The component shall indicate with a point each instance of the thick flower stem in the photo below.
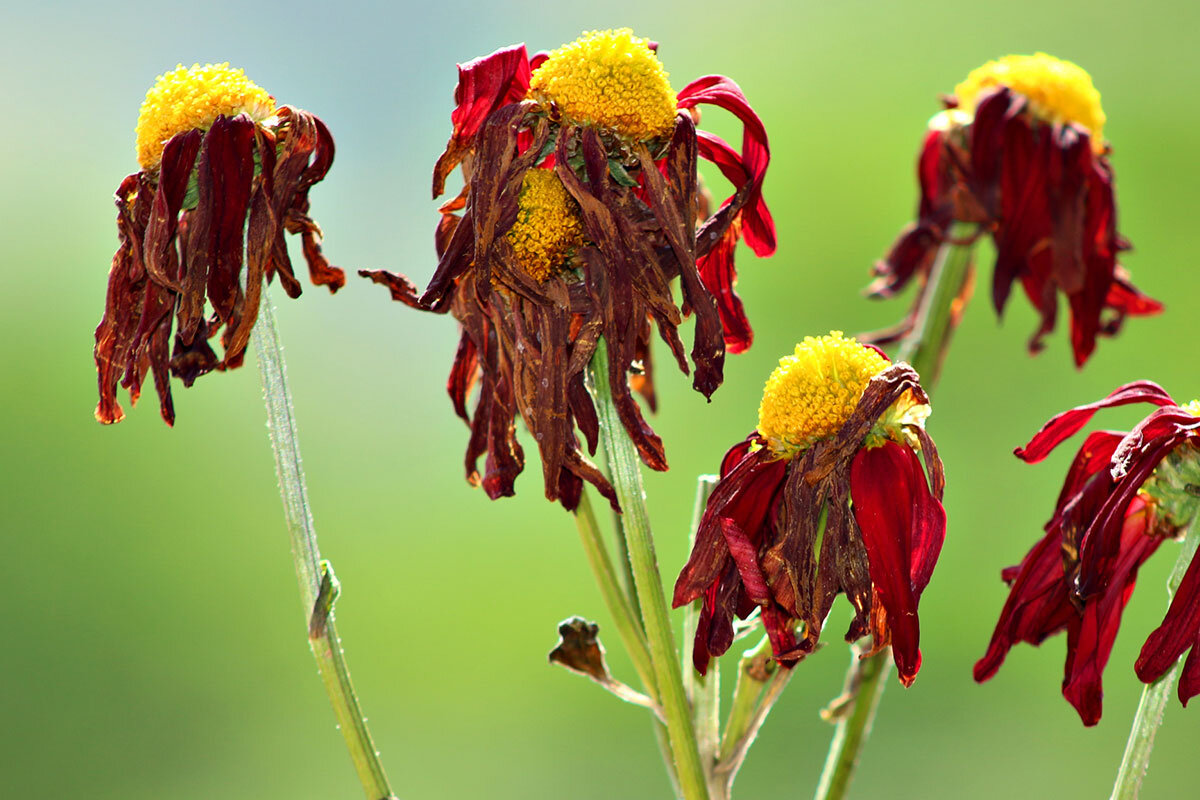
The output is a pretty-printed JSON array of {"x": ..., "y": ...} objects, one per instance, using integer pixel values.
[
  {"x": 1154, "y": 696},
  {"x": 318, "y": 586},
  {"x": 924, "y": 347},
  {"x": 865, "y": 681},
  {"x": 628, "y": 626},
  {"x": 625, "y": 466},
  {"x": 941, "y": 305}
]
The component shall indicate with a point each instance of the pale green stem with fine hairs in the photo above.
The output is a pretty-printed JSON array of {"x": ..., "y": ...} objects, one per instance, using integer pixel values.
[
  {"x": 924, "y": 348},
  {"x": 318, "y": 586},
  {"x": 626, "y": 476},
  {"x": 1155, "y": 696},
  {"x": 629, "y": 628}
]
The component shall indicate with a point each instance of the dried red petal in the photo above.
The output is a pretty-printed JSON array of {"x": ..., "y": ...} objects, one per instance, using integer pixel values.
[{"x": 484, "y": 85}]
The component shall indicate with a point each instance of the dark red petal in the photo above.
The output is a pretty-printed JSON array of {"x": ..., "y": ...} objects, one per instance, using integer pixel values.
[
  {"x": 745, "y": 555},
  {"x": 1103, "y": 544},
  {"x": 1127, "y": 299},
  {"x": 929, "y": 526},
  {"x": 1090, "y": 638},
  {"x": 1177, "y": 631},
  {"x": 756, "y": 154},
  {"x": 1066, "y": 424},
  {"x": 718, "y": 274},
  {"x": 1037, "y": 604},
  {"x": 484, "y": 84},
  {"x": 885, "y": 500},
  {"x": 1189, "y": 679}
]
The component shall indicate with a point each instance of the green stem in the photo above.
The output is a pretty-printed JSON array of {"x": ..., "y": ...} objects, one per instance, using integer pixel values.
[
  {"x": 754, "y": 697},
  {"x": 626, "y": 477},
  {"x": 865, "y": 681},
  {"x": 318, "y": 586},
  {"x": 940, "y": 309},
  {"x": 628, "y": 627},
  {"x": 1154, "y": 695},
  {"x": 924, "y": 347},
  {"x": 704, "y": 691}
]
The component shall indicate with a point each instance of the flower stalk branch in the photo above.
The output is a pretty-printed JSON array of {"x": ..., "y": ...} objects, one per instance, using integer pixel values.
[
  {"x": 924, "y": 348},
  {"x": 761, "y": 681},
  {"x": 318, "y": 585},
  {"x": 627, "y": 481},
  {"x": 1155, "y": 695}
]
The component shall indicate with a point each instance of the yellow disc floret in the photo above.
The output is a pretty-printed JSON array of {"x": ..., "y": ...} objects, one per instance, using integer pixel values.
[
  {"x": 812, "y": 392},
  {"x": 1057, "y": 90},
  {"x": 547, "y": 229},
  {"x": 1192, "y": 408},
  {"x": 183, "y": 99},
  {"x": 608, "y": 79}
]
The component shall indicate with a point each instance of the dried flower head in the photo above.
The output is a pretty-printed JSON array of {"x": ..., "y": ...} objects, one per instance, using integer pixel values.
[
  {"x": 580, "y": 204},
  {"x": 1020, "y": 151},
  {"x": 827, "y": 496},
  {"x": 224, "y": 171}
]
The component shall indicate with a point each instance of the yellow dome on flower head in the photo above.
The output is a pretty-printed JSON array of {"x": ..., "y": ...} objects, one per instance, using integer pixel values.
[
  {"x": 1192, "y": 408},
  {"x": 812, "y": 392},
  {"x": 1057, "y": 90},
  {"x": 548, "y": 228},
  {"x": 608, "y": 79},
  {"x": 184, "y": 99}
]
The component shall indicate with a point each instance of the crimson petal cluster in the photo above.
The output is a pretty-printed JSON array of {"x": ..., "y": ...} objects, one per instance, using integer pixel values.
[{"x": 1117, "y": 506}]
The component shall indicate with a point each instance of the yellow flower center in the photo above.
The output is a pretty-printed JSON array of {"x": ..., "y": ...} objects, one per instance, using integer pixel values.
[
  {"x": 184, "y": 99},
  {"x": 608, "y": 79},
  {"x": 812, "y": 392},
  {"x": 547, "y": 229},
  {"x": 1057, "y": 90},
  {"x": 1192, "y": 408}
]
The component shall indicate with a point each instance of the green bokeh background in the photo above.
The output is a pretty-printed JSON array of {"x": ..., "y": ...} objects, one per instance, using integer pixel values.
[{"x": 153, "y": 645}]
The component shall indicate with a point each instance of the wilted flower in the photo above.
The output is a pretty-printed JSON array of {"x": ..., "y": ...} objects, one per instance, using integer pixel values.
[
  {"x": 1124, "y": 494},
  {"x": 223, "y": 171},
  {"x": 1019, "y": 150},
  {"x": 828, "y": 495},
  {"x": 579, "y": 205}
]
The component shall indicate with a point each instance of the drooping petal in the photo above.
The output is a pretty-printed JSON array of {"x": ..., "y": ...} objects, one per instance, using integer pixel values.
[
  {"x": 1064, "y": 425},
  {"x": 1176, "y": 633},
  {"x": 1090, "y": 637},
  {"x": 756, "y": 154},
  {"x": 484, "y": 85},
  {"x": 719, "y": 276},
  {"x": 1037, "y": 605},
  {"x": 885, "y": 497}
]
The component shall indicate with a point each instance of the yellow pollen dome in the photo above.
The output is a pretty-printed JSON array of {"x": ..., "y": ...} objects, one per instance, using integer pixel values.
[
  {"x": 609, "y": 79},
  {"x": 1192, "y": 408},
  {"x": 1057, "y": 90},
  {"x": 812, "y": 392},
  {"x": 547, "y": 229},
  {"x": 184, "y": 99}
]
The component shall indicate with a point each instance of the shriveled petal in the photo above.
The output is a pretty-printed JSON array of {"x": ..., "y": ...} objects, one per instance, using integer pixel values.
[
  {"x": 484, "y": 85},
  {"x": 1063, "y": 426},
  {"x": 719, "y": 276}
]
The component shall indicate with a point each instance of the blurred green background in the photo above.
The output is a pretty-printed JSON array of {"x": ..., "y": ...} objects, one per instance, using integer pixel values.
[{"x": 153, "y": 643}]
